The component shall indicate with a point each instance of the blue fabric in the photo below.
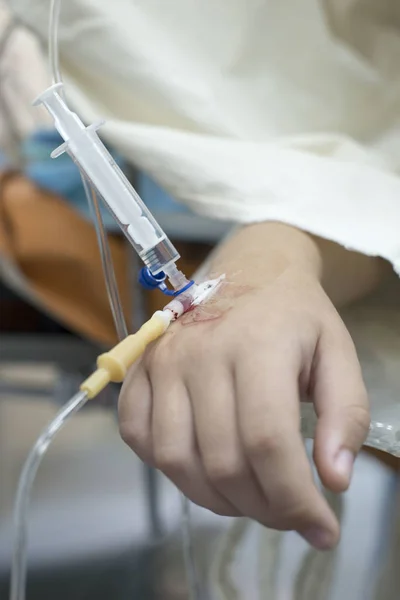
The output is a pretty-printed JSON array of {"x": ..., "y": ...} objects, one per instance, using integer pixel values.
[
  {"x": 157, "y": 199},
  {"x": 60, "y": 176}
]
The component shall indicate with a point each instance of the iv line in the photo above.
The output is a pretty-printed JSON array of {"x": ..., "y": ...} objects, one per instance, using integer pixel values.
[
  {"x": 100, "y": 378},
  {"x": 106, "y": 261},
  {"x": 91, "y": 196},
  {"x": 112, "y": 366},
  {"x": 54, "y": 19},
  {"x": 27, "y": 478}
]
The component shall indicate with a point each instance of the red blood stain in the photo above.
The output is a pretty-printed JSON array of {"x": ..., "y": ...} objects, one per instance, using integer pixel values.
[
  {"x": 217, "y": 306},
  {"x": 186, "y": 302},
  {"x": 198, "y": 314}
]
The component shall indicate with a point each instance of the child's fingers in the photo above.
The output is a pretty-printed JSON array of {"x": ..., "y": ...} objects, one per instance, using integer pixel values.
[{"x": 342, "y": 406}]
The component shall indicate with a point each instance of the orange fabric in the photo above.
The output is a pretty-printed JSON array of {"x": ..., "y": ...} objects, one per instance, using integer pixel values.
[{"x": 56, "y": 250}]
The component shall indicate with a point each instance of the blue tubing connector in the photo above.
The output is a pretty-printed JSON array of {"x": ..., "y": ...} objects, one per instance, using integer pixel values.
[
  {"x": 153, "y": 282},
  {"x": 150, "y": 281}
]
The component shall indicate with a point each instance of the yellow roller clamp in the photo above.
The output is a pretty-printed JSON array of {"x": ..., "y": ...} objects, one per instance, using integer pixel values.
[{"x": 113, "y": 365}]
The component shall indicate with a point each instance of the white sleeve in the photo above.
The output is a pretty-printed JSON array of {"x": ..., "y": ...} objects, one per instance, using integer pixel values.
[
  {"x": 22, "y": 76},
  {"x": 248, "y": 110}
]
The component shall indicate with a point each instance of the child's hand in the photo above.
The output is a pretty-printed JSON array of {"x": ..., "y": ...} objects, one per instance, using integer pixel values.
[{"x": 215, "y": 405}]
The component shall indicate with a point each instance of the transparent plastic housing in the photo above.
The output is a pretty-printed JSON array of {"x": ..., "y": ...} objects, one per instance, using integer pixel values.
[
  {"x": 93, "y": 159},
  {"x": 384, "y": 431}
]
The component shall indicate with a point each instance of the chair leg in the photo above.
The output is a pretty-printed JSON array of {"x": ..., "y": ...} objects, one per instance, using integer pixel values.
[{"x": 152, "y": 487}]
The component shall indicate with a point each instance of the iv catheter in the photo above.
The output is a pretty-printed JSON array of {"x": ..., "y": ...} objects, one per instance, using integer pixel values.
[{"x": 99, "y": 168}]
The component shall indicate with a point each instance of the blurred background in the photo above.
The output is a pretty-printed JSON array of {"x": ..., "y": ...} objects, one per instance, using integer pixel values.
[{"x": 102, "y": 525}]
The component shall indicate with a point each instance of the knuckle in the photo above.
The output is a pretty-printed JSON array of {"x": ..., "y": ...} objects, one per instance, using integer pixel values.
[
  {"x": 360, "y": 418},
  {"x": 221, "y": 512},
  {"x": 170, "y": 460},
  {"x": 129, "y": 386},
  {"x": 131, "y": 435},
  {"x": 137, "y": 439},
  {"x": 167, "y": 355},
  {"x": 221, "y": 470},
  {"x": 294, "y": 513},
  {"x": 159, "y": 355},
  {"x": 261, "y": 444},
  {"x": 291, "y": 513}
]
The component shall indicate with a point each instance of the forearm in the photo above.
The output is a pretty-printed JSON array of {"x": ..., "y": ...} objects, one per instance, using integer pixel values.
[
  {"x": 348, "y": 276},
  {"x": 267, "y": 250}
]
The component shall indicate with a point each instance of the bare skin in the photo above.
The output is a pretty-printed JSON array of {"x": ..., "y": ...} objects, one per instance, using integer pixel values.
[{"x": 215, "y": 405}]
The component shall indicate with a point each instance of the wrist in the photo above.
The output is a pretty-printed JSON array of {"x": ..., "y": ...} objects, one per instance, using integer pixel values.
[
  {"x": 346, "y": 275},
  {"x": 265, "y": 251}
]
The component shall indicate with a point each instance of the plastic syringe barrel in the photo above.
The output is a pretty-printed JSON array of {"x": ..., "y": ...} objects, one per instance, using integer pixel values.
[{"x": 93, "y": 159}]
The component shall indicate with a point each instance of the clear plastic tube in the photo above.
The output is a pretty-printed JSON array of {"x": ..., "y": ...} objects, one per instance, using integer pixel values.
[
  {"x": 22, "y": 502},
  {"x": 106, "y": 260},
  {"x": 382, "y": 436},
  {"x": 104, "y": 248},
  {"x": 188, "y": 551},
  {"x": 54, "y": 19}
]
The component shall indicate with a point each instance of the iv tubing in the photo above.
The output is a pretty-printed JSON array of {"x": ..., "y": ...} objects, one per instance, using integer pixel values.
[
  {"x": 106, "y": 261},
  {"x": 55, "y": 8},
  {"x": 104, "y": 248},
  {"x": 112, "y": 366},
  {"x": 188, "y": 551},
  {"x": 19, "y": 561}
]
